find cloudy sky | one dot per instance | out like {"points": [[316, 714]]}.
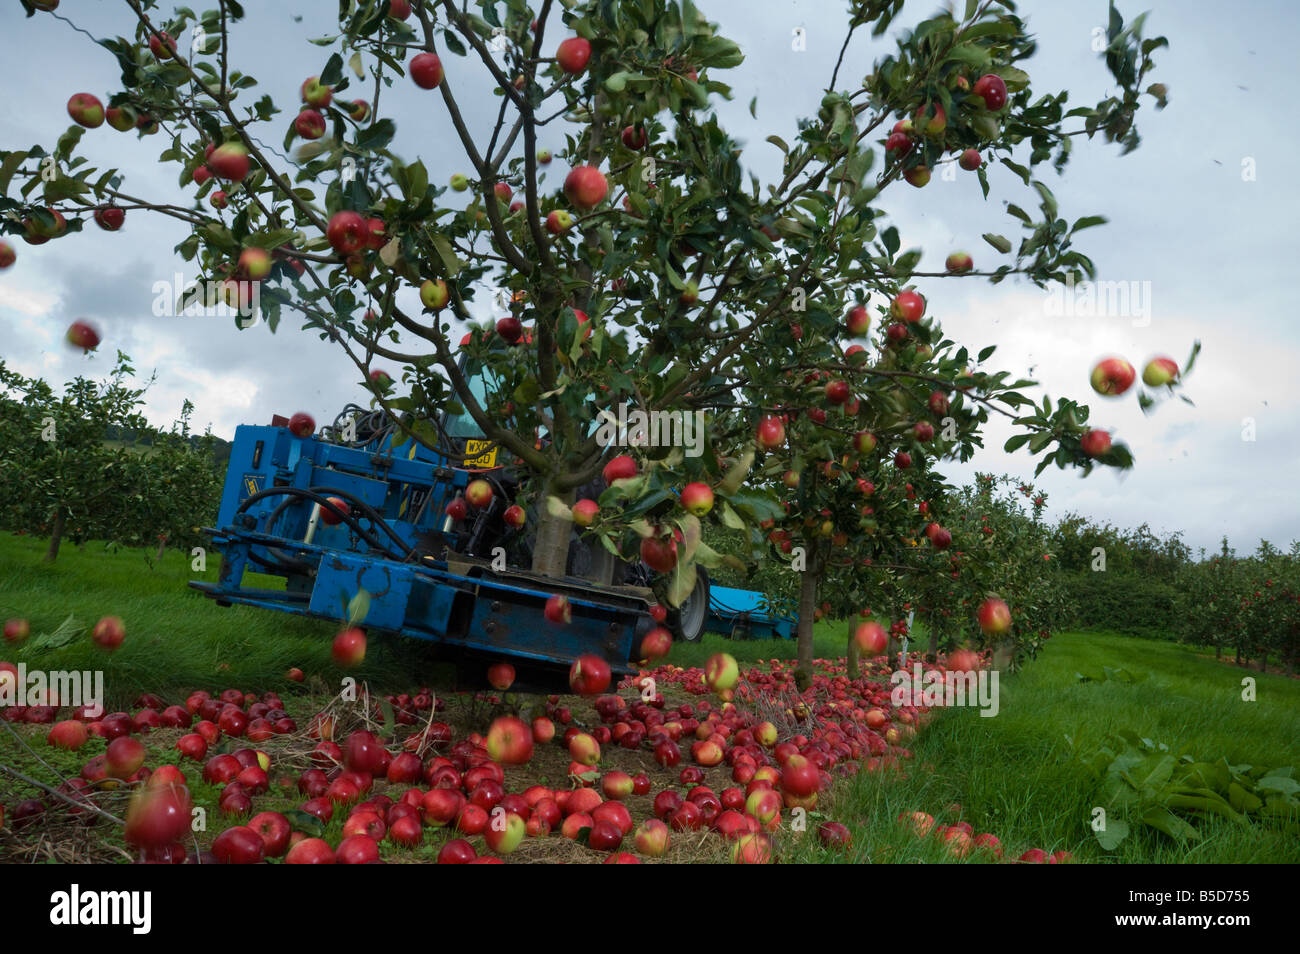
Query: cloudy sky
{"points": [[1201, 224]]}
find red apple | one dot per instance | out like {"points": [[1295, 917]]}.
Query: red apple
{"points": [[1160, 372], [309, 124], [357, 850], [501, 676], [347, 232], [479, 493], [158, 815], [586, 187], [572, 54], [349, 647], [584, 512], [510, 741], [124, 756], [992, 90], [310, 851], [1112, 376], [697, 498], [426, 70], [658, 554], [907, 306], [239, 846], [620, 468], [994, 617], [558, 609], [229, 161], [958, 263], [1095, 443], [86, 110], [589, 675]]}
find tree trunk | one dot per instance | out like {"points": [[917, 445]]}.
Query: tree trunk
{"points": [[551, 548], [933, 654], [56, 536], [162, 548], [807, 607], [851, 654]]}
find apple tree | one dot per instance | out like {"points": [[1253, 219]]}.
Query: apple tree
{"points": [[85, 464], [663, 275]]}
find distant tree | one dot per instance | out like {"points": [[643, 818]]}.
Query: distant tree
{"points": [[61, 475]]}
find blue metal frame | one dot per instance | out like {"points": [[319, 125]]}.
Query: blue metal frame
{"points": [[729, 607], [474, 611]]}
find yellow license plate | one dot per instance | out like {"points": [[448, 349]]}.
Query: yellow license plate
{"points": [[480, 454]]}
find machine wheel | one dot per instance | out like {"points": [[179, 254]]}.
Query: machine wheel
{"points": [[687, 621]]}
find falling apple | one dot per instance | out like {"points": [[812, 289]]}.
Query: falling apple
{"points": [[994, 617], [1112, 376], [959, 263], [86, 110], [81, 334], [1159, 372], [349, 647]]}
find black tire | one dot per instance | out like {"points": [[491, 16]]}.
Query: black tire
{"points": [[687, 621]]}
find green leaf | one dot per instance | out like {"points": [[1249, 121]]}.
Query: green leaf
{"points": [[376, 136], [998, 242], [1087, 222], [453, 43], [449, 259], [1016, 442], [1278, 784], [305, 822], [729, 517], [1116, 830], [333, 72], [1166, 821], [358, 607], [8, 168]]}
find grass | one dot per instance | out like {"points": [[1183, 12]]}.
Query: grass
{"points": [[1014, 775]]}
